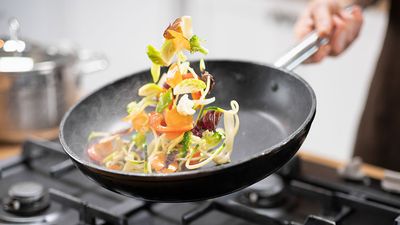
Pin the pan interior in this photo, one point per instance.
(273, 105)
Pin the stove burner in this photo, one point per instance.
(268, 193)
(26, 199)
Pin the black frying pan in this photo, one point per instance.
(277, 108)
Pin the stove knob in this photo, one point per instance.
(14, 205)
(253, 197)
(26, 198)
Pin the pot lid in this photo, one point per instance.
(18, 55)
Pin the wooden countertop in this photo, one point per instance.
(370, 170)
(7, 151)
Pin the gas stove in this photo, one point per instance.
(43, 187)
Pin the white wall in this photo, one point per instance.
(258, 30)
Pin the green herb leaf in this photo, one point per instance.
(185, 143)
(195, 45)
(164, 100)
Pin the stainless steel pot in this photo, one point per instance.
(38, 84)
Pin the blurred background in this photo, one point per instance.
(257, 30)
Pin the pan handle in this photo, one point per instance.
(302, 51)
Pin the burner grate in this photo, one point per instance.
(91, 214)
(314, 199)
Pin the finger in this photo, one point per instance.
(338, 40)
(303, 26)
(358, 19)
(353, 21)
(321, 12)
(322, 52)
(349, 27)
(357, 13)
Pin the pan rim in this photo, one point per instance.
(197, 172)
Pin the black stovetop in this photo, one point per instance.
(300, 193)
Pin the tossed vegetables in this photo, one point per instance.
(173, 127)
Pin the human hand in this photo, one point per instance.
(330, 21)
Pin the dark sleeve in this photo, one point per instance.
(365, 3)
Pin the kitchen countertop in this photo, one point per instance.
(9, 150)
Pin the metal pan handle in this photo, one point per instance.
(302, 51)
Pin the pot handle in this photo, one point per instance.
(90, 62)
(300, 52)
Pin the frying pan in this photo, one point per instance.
(277, 108)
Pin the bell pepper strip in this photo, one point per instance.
(156, 119)
(173, 135)
(175, 119)
(187, 76)
(196, 95)
(174, 128)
